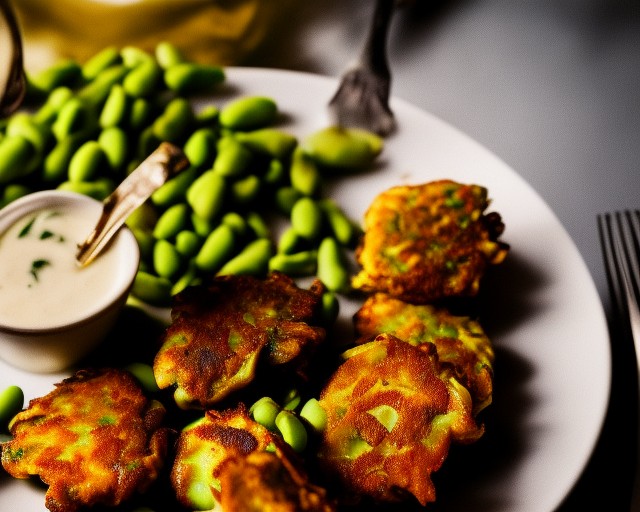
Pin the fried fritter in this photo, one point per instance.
(426, 242)
(95, 439)
(223, 329)
(262, 481)
(462, 345)
(391, 416)
(205, 447)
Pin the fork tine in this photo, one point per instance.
(611, 265)
(630, 236)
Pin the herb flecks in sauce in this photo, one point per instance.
(37, 266)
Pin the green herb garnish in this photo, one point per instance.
(37, 266)
(27, 228)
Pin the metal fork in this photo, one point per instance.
(620, 240)
(362, 98)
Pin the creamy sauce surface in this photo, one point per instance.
(41, 284)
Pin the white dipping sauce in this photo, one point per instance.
(41, 283)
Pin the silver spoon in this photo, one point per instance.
(165, 162)
(13, 84)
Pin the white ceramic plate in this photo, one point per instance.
(540, 308)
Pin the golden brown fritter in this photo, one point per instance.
(426, 242)
(95, 439)
(391, 416)
(264, 482)
(204, 448)
(222, 330)
(461, 343)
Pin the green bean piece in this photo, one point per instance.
(86, 162)
(332, 266)
(249, 113)
(188, 243)
(73, 117)
(307, 218)
(236, 222)
(344, 229)
(148, 141)
(15, 154)
(208, 116)
(23, 124)
(271, 141)
(174, 123)
(47, 113)
(264, 411)
(102, 60)
(200, 147)
(144, 375)
(132, 56)
(115, 145)
(232, 159)
(252, 260)
(98, 189)
(192, 78)
(115, 107)
(292, 430)
(167, 54)
(206, 195)
(246, 190)
(11, 403)
(146, 243)
(304, 174)
(302, 263)
(175, 190)
(330, 308)
(202, 227)
(285, 198)
(144, 217)
(185, 280)
(152, 289)
(12, 192)
(166, 259)
(140, 113)
(172, 221)
(218, 247)
(292, 400)
(65, 72)
(143, 79)
(314, 414)
(345, 148)
(290, 241)
(275, 173)
(56, 163)
(258, 225)
(95, 92)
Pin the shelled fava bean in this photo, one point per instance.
(91, 124)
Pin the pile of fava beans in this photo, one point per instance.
(84, 127)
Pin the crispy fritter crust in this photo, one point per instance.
(224, 455)
(461, 343)
(391, 416)
(426, 242)
(220, 331)
(263, 481)
(95, 439)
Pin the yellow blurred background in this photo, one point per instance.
(223, 32)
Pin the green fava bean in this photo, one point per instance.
(208, 116)
(306, 218)
(73, 117)
(66, 72)
(172, 221)
(246, 190)
(249, 113)
(188, 243)
(12, 192)
(264, 411)
(11, 403)
(115, 107)
(192, 78)
(286, 198)
(206, 195)
(146, 243)
(152, 289)
(216, 249)
(144, 375)
(95, 92)
(344, 230)
(132, 56)
(200, 147)
(23, 124)
(15, 156)
(315, 415)
(166, 259)
(47, 113)
(185, 280)
(174, 190)
(330, 308)
(332, 266)
(98, 189)
(275, 173)
(143, 79)
(144, 217)
(100, 61)
(114, 143)
(292, 430)
(252, 260)
(304, 174)
(175, 121)
(202, 227)
(86, 162)
(232, 159)
(290, 241)
(140, 113)
(271, 141)
(258, 225)
(236, 222)
(348, 148)
(302, 263)
(56, 163)
(167, 54)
